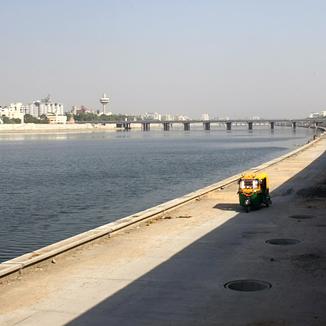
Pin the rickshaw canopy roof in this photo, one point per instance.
(254, 175)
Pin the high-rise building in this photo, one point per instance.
(44, 106)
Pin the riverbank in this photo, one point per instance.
(206, 242)
(55, 128)
(33, 128)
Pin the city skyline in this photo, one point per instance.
(46, 106)
(226, 58)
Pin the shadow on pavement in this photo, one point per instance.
(229, 207)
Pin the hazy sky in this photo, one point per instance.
(228, 58)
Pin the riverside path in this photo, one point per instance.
(175, 270)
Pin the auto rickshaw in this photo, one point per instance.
(254, 190)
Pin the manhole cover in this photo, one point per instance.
(301, 216)
(282, 242)
(247, 285)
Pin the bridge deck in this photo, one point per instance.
(173, 271)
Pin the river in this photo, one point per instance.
(55, 186)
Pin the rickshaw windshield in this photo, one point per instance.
(249, 184)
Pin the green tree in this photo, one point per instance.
(44, 119)
(93, 117)
(10, 121)
(5, 119)
(28, 118)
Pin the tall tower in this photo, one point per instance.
(104, 100)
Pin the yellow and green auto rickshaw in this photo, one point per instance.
(254, 190)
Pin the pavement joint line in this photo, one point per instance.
(25, 318)
(53, 310)
(116, 226)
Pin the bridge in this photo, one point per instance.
(228, 123)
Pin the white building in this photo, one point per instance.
(13, 111)
(180, 117)
(314, 115)
(323, 114)
(205, 117)
(152, 116)
(168, 117)
(44, 106)
(56, 119)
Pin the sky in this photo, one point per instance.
(227, 58)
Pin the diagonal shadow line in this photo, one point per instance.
(188, 289)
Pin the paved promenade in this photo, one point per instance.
(172, 271)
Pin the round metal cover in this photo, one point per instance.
(247, 285)
(282, 242)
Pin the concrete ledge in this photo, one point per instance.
(28, 259)
(7, 268)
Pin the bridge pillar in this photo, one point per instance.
(207, 125)
(250, 125)
(126, 126)
(186, 126)
(228, 125)
(294, 124)
(272, 125)
(146, 126)
(166, 126)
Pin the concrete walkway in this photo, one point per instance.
(173, 271)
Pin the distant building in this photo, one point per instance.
(255, 118)
(81, 109)
(168, 117)
(152, 116)
(13, 111)
(37, 108)
(314, 115)
(180, 117)
(323, 114)
(44, 106)
(205, 116)
(56, 119)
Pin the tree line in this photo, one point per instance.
(80, 117)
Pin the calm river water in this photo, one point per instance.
(56, 186)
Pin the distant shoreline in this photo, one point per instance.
(54, 128)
